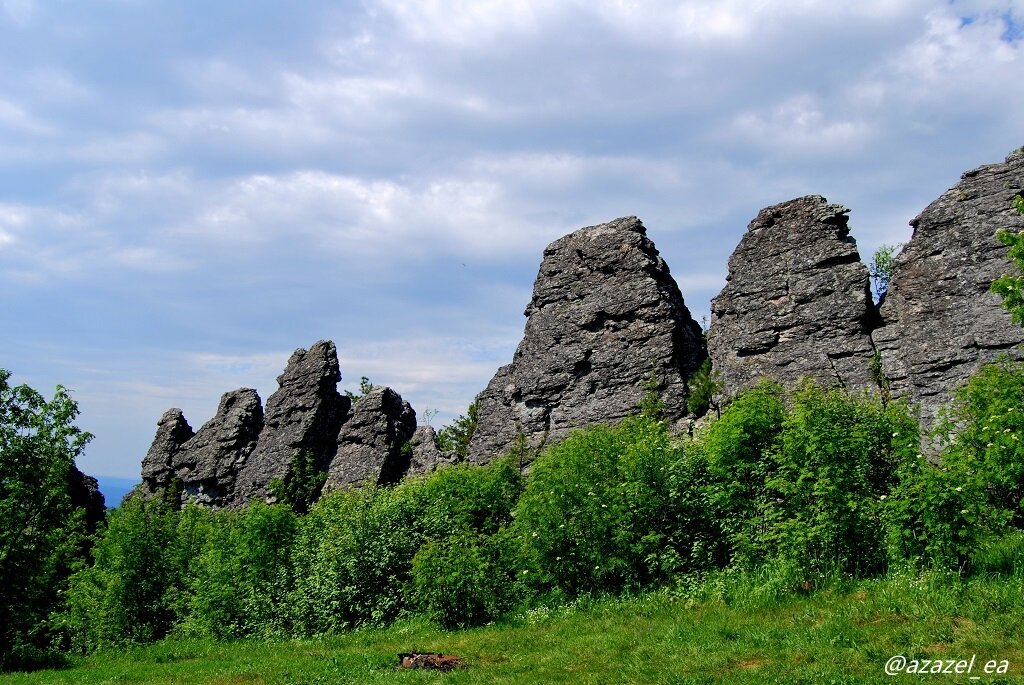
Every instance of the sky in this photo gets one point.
(189, 191)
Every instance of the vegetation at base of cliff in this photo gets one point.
(788, 492)
(42, 534)
(797, 488)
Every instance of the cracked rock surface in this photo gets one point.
(605, 314)
(940, 322)
(797, 302)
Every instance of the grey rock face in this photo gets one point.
(940, 321)
(172, 433)
(209, 462)
(369, 444)
(426, 456)
(605, 314)
(303, 415)
(797, 302)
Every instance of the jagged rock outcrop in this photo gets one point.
(302, 416)
(605, 315)
(85, 494)
(158, 469)
(797, 301)
(426, 456)
(940, 320)
(209, 462)
(370, 443)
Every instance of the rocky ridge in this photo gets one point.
(606, 316)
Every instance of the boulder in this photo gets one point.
(372, 445)
(940, 322)
(303, 415)
(605, 316)
(797, 301)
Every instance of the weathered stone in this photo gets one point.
(85, 494)
(172, 432)
(797, 301)
(370, 444)
(605, 315)
(209, 462)
(426, 456)
(940, 320)
(302, 416)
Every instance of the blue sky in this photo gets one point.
(189, 191)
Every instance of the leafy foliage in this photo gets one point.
(597, 513)
(704, 384)
(883, 263)
(42, 536)
(301, 488)
(127, 595)
(454, 438)
(365, 387)
(1011, 288)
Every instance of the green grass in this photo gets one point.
(726, 632)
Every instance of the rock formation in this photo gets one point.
(209, 462)
(426, 456)
(797, 301)
(940, 322)
(158, 466)
(302, 416)
(605, 315)
(371, 445)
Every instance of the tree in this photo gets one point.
(42, 533)
(1011, 288)
(704, 385)
(365, 388)
(882, 265)
(455, 437)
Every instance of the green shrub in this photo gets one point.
(352, 559)
(597, 513)
(804, 487)
(739, 450)
(837, 464)
(127, 596)
(243, 580)
(453, 582)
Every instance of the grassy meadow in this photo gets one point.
(721, 631)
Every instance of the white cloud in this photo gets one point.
(798, 125)
(16, 118)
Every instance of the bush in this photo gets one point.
(597, 513)
(453, 582)
(127, 596)
(837, 464)
(242, 581)
(739, 451)
(804, 487)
